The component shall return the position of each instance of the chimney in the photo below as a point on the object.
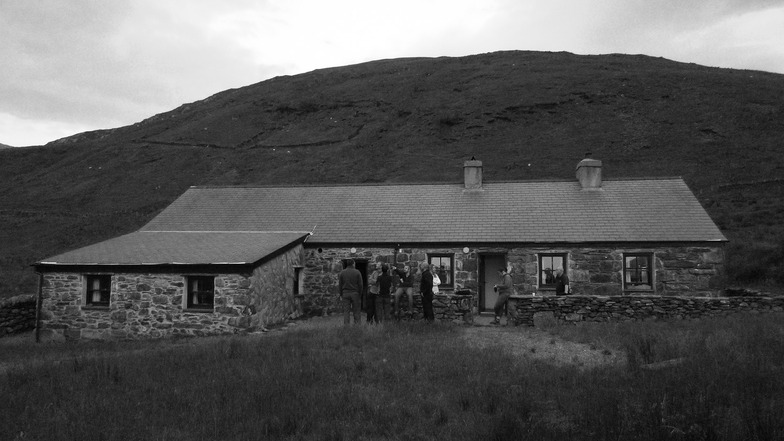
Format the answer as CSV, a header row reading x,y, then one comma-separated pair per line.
x,y
589,173
472,172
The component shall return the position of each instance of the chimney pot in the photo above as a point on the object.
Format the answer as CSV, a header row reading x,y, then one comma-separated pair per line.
x,y
589,173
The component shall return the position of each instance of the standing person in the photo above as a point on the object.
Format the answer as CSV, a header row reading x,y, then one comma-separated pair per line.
x,y
504,290
384,290
350,290
436,278
426,288
406,285
561,283
372,296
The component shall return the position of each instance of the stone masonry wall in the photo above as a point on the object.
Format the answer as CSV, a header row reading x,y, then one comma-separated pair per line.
x,y
17,314
271,298
322,269
571,309
678,271
151,305
141,305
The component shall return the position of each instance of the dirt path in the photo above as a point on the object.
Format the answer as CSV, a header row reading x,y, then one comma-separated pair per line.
x,y
534,344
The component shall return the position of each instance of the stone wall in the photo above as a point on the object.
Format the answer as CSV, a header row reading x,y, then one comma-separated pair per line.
x,y
17,314
678,271
151,305
271,298
574,308
322,266
141,305
695,271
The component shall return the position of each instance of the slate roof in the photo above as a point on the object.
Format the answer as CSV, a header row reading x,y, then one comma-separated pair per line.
x,y
186,248
630,210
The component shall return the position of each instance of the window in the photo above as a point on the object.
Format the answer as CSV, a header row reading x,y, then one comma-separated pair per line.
x,y
201,292
99,290
637,272
548,264
297,280
445,264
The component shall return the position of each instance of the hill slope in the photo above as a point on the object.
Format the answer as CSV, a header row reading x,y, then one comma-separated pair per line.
x,y
416,120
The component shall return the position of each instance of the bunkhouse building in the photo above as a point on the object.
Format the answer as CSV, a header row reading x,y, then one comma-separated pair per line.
x,y
229,259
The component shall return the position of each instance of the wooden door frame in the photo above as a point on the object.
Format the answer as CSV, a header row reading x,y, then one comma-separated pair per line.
x,y
481,277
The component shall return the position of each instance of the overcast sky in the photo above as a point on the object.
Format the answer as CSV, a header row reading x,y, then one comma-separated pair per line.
x,y
69,66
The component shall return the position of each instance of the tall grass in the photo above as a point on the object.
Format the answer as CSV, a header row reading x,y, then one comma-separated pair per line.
x,y
407,382
727,382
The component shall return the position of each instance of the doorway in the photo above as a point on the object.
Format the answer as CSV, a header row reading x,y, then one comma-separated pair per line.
x,y
488,276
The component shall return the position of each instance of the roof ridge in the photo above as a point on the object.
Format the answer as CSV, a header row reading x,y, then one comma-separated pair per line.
x,y
390,184
225,231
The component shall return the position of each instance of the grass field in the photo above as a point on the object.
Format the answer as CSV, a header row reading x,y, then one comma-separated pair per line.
x,y
406,381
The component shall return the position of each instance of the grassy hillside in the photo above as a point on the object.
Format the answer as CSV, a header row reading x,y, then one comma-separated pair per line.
x,y
417,120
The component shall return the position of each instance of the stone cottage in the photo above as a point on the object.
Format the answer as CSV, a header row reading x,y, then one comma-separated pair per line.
x,y
218,257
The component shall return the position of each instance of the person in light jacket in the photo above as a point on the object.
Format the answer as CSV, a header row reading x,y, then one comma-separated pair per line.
x,y
561,283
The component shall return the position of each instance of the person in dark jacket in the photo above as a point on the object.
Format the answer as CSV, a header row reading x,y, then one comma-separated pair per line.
x,y
426,288
350,290
505,289
372,295
405,285
384,294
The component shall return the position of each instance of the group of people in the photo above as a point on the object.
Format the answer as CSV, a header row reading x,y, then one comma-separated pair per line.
x,y
384,286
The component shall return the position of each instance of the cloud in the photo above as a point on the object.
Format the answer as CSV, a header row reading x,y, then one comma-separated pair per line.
x,y
101,64
20,132
106,62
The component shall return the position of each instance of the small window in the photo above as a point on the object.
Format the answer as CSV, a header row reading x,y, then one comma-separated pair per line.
x,y
297,280
637,274
445,264
548,264
99,290
201,292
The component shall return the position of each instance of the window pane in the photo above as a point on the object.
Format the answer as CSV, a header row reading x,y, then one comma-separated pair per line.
x,y
201,292
443,268
548,264
637,271
98,290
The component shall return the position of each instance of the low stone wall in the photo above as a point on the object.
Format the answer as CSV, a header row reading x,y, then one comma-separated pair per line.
x,y
17,314
446,307
571,309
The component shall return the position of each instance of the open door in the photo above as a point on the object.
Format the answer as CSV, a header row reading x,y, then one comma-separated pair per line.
x,y
488,276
